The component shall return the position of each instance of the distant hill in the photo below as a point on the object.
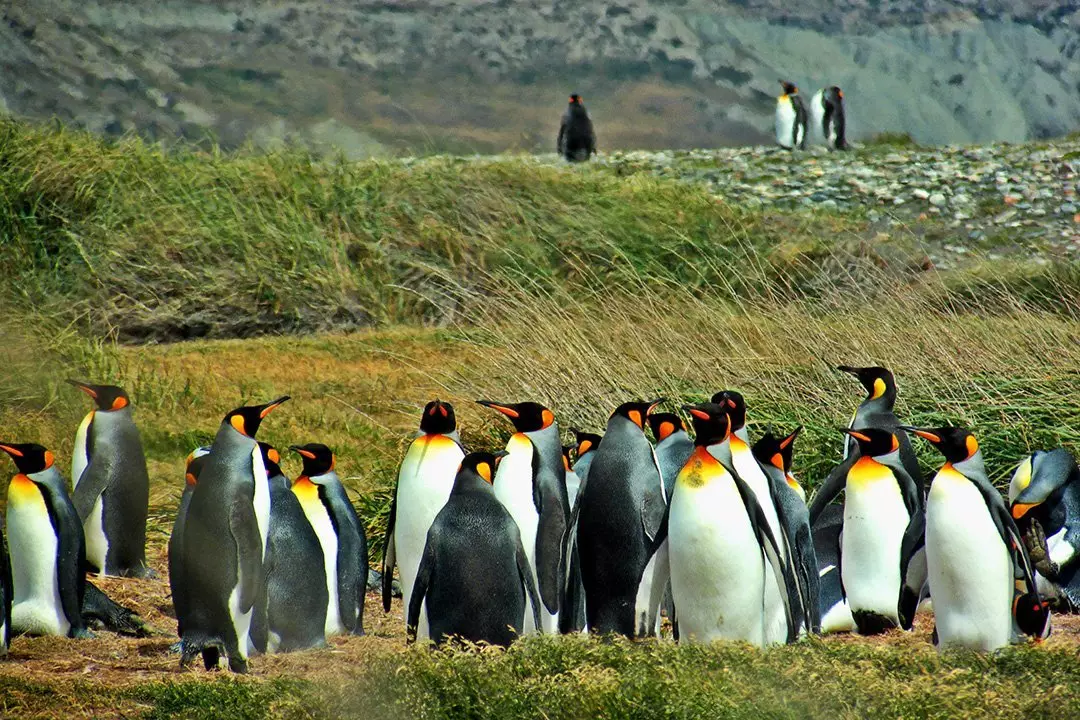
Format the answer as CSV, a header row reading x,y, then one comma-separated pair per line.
x,y
377,76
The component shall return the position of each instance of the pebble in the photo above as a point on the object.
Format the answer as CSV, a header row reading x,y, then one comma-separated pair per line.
x,y
937,199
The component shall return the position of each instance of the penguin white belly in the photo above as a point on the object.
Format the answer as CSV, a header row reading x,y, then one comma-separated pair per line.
x,y
424,483
971,578
79,457
749,470
241,621
816,118
717,565
514,488
573,484
36,607
785,122
324,529
261,498
875,519
97,544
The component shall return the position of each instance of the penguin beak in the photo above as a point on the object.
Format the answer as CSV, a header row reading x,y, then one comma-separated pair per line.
x,y
11,451
302,452
855,434
654,403
504,409
790,438
88,389
1021,509
848,369
696,412
269,407
924,434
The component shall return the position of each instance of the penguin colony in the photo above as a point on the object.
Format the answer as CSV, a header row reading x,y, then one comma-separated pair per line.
x,y
711,530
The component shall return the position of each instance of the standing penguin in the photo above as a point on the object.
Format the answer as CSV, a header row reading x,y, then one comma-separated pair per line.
x,y
573,481
111,488
827,124
720,546
587,443
177,586
1044,498
531,483
424,482
47,552
296,589
334,519
974,551
882,525
474,577
673,447
576,141
572,616
621,510
774,456
790,118
833,606
7,593
224,543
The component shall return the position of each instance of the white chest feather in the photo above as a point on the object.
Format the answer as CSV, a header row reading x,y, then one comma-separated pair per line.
x,y
324,528
80,458
785,122
97,544
36,608
261,499
875,519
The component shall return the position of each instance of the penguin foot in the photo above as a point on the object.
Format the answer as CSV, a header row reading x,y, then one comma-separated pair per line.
x,y
238,665
82,634
872,623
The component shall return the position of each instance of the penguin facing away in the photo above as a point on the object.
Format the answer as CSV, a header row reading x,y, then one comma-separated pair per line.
x,y
46,547
720,547
621,510
673,447
474,577
832,602
296,588
177,585
327,506
974,552
111,487
572,616
425,479
790,118
827,124
577,140
224,543
1044,499
531,482
882,526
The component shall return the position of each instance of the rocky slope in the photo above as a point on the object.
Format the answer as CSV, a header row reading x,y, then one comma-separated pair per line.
x,y
372,76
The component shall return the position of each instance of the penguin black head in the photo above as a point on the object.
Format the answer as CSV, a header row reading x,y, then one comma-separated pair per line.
x,y
566,449
586,442
246,420
271,459
734,405
1032,615
874,442
438,418
194,463
1039,477
711,423
776,451
481,463
526,416
878,381
637,411
834,95
318,459
956,444
575,99
663,425
29,457
107,397
789,88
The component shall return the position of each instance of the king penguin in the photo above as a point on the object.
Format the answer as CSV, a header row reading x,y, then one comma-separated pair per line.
x,y
572,617
673,447
974,552
882,526
577,140
790,118
424,482
1044,499
474,577
296,589
344,543
192,468
7,592
621,510
720,548
827,125
531,483
573,481
224,543
111,488
47,552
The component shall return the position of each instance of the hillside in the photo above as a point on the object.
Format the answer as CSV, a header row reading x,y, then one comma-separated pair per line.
x,y
376,77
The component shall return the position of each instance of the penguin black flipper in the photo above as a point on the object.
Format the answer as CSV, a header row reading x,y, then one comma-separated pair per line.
x,y
794,521
94,481
7,592
70,556
560,142
914,539
525,573
389,556
760,524
351,556
810,584
832,486
1009,532
653,504
244,528
114,617
419,592
550,541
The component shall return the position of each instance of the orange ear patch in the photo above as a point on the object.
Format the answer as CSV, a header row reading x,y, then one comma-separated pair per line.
x,y
274,455
50,459
972,445
119,403
635,417
895,443
584,447
666,428
484,470
777,461
547,417
237,421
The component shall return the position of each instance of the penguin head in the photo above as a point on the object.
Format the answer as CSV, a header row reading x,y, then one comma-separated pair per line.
x,y
29,458
1032,615
438,418
318,459
566,449
956,444
246,420
776,451
834,95
575,99
481,463
663,425
1039,477
526,416
637,411
586,442
878,381
271,459
107,397
874,442
194,463
789,87
711,423
734,405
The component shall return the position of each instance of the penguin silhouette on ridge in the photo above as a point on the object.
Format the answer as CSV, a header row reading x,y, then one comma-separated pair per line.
x,y
577,140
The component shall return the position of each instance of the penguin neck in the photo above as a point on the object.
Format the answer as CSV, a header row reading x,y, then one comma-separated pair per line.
x,y
721,451
971,468
50,479
743,434
468,481
546,441
677,436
